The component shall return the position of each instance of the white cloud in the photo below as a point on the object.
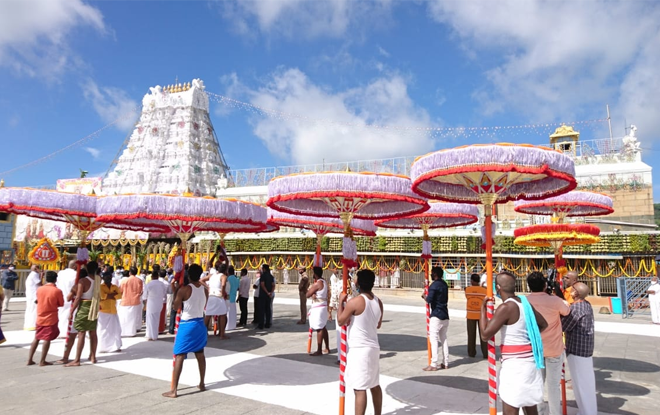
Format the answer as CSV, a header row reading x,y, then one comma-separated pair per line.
x,y
14,120
563,60
383,52
348,133
302,18
111,104
95,152
33,34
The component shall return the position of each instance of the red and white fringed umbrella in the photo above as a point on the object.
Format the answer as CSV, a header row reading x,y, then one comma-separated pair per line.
x,y
183,215
77,209
440,215
320,227
346,195
488,174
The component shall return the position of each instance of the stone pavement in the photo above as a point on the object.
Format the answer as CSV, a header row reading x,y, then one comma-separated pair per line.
x,y
269,372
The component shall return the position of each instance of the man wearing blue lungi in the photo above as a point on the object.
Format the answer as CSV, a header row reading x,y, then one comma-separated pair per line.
x,y
192,334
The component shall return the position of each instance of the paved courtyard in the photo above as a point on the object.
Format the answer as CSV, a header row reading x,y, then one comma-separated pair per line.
x,y
269,372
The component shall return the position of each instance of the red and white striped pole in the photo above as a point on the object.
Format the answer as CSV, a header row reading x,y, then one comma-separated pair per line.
x,y
492,365
428,311
343,350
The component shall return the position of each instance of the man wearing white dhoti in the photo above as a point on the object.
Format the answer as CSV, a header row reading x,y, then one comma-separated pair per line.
x,y
654,300
217,304
155,293
520,383
318,314
130,309
66,279
109,329
32,282
363,315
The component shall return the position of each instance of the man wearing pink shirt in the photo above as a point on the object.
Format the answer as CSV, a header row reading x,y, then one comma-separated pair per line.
x,y
551,308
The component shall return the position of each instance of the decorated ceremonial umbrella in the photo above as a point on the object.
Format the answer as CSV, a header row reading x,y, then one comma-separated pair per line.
x,y
74,208
440,215
320,227
488,174
183,215
346,195
575,203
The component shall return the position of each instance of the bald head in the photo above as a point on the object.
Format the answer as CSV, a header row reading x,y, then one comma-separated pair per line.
x,y
570,279
34,268
506,282
72,264
581,290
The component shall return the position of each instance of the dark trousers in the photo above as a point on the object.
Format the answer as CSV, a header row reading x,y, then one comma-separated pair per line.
x,y
472,328
257,311
266,312
172,321
242,303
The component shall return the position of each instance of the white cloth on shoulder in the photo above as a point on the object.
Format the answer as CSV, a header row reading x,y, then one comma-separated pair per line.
x,y
109,333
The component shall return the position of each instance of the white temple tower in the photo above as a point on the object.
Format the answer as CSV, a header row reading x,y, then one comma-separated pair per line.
x,y
173,148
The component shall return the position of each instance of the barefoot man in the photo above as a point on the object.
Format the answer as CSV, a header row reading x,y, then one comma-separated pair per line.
x,y
192,334
364,316
318,315
87,305
49,299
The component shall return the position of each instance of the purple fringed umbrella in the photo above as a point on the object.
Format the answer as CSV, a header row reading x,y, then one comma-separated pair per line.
x,y
440,215
183,215
489,174
575,203
345,195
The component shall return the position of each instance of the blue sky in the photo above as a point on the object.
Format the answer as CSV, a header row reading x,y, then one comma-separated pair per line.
x,y
69,67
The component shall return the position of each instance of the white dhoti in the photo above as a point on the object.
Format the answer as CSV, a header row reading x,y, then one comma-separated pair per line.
x,y
109,333
63,314
216,306
231,316
520,383
362,368
318,316
128,317
153,320
30,321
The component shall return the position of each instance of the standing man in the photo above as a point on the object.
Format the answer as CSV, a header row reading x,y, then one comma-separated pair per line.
x,y
66,279
233,282
363,315
217,304
570,279
109,329
475,295
654,300
32,283
579,329
243,296
437,298
303,286
192,335
9,278
266,292
552,308
318,315
49,298
130,309
86,304
520,382
155,293
255,302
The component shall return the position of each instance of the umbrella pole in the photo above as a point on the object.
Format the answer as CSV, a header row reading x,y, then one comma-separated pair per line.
x,y
428,309
342,352
492,368
184,238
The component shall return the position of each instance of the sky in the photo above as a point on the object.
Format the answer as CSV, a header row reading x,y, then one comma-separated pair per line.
x,y
338,70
